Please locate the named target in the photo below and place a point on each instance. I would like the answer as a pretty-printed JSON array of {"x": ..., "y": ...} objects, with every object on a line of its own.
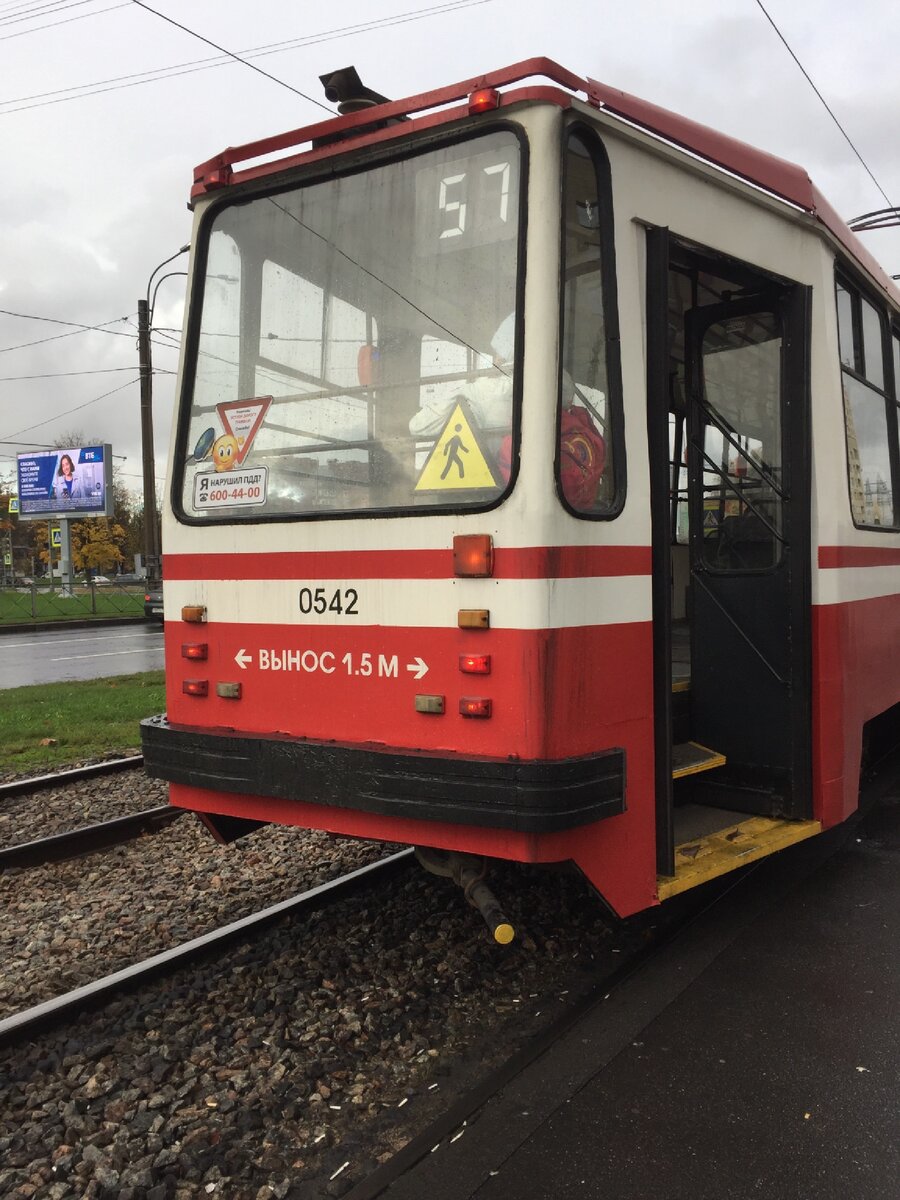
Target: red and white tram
[{"x": 534, "y": 489}]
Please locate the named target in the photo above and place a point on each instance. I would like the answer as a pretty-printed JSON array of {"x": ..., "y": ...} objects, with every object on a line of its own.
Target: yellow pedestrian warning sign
[
  {"x": 457, "y": 459},
  {"x": 711, "y": 518}
]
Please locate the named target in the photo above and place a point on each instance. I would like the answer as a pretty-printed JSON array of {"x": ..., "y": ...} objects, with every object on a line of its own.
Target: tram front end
[{"x": 402, "y": 599}]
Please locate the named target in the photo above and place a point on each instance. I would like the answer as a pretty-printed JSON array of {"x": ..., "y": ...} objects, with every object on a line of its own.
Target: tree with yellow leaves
[{"x": 96, "y": 543}]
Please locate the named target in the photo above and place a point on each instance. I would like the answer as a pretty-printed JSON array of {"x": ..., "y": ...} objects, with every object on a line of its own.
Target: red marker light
[
  {"x": 195, "y": 650},
  {"x": 475, "y": 664},
  {"x": 220, "y": 177},
  {"x": 474, "y": 706},
  {"x": 195, "y": 687},
  {"x": 484, "y": 100},
  {"x": 473, "y": 555}
]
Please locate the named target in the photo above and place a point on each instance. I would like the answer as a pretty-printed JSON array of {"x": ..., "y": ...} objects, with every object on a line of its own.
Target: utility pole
[
  {"x": 145, "y": 309},
  {"x": 151, "y": 531}
]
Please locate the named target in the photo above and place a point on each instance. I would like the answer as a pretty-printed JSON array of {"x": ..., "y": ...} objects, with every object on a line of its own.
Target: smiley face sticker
[{"x": 224, "y": 452}]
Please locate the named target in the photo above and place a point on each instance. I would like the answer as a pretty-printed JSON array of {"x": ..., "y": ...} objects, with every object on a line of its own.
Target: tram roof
[{"x": 783, "y": 179}]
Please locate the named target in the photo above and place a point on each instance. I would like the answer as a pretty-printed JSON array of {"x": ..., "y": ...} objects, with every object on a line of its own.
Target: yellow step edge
[
  {"x": 708, "y": 857},
  {"x": 708, "y": 760},
  {"x": 681, "y": 685}
]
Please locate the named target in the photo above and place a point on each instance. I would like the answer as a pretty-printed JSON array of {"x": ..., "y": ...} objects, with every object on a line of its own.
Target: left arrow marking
[{"x": 242, "y": 658}]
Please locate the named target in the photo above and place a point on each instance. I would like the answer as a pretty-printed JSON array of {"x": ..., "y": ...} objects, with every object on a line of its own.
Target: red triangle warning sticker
[{"x": 242, "y": 419}]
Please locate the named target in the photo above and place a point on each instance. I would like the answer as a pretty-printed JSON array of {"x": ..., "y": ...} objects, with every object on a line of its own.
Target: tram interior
[{"x": 740, "y": 459}]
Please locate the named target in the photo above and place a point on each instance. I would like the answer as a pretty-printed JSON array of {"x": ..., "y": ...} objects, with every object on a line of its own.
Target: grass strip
[
  {"x": 46, "y": 726},
  {"x": 20, "y": 606}
]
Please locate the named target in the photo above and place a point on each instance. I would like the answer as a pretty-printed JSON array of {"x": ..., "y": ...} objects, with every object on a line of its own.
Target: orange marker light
[
  {"x": 474, "y": 618},
  {"x": 473, "y": 555},
  {"x": 484, "y": 100},
  {"x": 195, "y": 650},
  {"x": 195, "y": 687},
  {"x": 474, "y": 706},
  {"x": 195, "y": 614},
  {"x": 475, "y": 664}
]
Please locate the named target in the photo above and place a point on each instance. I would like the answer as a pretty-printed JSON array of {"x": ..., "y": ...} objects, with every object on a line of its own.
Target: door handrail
[
  {"x": 742, "y": 496},
  {"x": 714, "y": 419}
]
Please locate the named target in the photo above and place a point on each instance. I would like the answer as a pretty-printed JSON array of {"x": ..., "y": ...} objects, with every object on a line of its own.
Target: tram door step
[
  {"x": 690, "y": 758},
  {"x": 716, "y": 843}
]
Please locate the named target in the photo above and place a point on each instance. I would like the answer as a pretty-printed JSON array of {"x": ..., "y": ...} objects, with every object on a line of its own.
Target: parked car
[
  {"x": 101, "y": 579},
  {"x": 153, "y": 605}
]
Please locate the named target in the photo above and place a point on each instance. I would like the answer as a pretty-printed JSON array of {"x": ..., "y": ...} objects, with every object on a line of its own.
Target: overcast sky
[{"x": 95, "y": 182}]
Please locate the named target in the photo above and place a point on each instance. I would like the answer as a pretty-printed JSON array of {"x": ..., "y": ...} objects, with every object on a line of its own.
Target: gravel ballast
[
  {"x": 329, "y": 1040},
  {"x": 51, "y": 810},
  {"x": 66, "y": 924}
]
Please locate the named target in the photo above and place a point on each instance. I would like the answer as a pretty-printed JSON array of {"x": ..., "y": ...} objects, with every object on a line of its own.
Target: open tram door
[{"x": 728, "y": 412}]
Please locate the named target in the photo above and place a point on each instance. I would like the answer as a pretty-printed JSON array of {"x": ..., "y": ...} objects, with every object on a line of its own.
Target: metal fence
[{"x": 46, "y": 601}]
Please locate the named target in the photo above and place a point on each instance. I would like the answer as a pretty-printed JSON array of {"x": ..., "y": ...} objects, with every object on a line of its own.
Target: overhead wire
[
  {"x": 8, "y": 312},
  {"x": 30, "y": 12},
  {"x": 23, "y": 4},
  {"x": 881, "y": 218},
  {"x": 828, "y": 109},
  {"x": 14, "y": 7},
  {"x": 7, "y": 442},
  {"x": 7, "y": 37},
  {"x": 417, "y": 14},
  {"x": 69, "y": 374},
  {"x": 73, "y": 333},
  {"x": 237, "y": 58},
  {"x": 174, "y": 71},
  {"x": 20, "y": 4},
  {"x": 76, "y": 408},
  {"x": 36, "y": 11}
]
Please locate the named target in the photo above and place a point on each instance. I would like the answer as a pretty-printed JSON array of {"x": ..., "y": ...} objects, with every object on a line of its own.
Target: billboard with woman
[{"x": 74, "y": 482}]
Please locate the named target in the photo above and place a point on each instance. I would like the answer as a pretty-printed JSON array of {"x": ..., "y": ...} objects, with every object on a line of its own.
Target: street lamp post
[{"x": 151, "y": 527}]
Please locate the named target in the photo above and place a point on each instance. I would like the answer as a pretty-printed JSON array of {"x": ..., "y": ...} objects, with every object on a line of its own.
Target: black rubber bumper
[{"x": 530, "y": 797}]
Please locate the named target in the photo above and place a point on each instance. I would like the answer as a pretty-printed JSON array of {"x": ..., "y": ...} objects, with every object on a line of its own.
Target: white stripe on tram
[{"x": 417, "y": 603}]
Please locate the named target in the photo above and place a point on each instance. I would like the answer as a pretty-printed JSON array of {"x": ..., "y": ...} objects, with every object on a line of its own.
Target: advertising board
[{"x": 74, "y": 482}]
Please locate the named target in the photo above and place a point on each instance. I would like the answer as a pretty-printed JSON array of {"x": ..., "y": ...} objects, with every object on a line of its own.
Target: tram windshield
[{"x": 355, "y": 349}]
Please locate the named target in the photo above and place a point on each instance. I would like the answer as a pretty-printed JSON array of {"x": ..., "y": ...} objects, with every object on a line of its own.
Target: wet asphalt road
[{"x": 67, "y": 654}]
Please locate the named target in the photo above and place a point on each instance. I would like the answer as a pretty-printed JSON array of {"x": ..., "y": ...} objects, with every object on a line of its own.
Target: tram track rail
[
  {"x": 87, "y": 838},
  {"x": 53, "y": 1014},
  {"x": 84, "y": 839},
  {"x": 55, "y": 779}
]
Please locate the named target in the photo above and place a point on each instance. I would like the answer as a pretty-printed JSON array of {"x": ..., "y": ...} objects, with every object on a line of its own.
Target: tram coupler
[{"x": 468, "y": 871}]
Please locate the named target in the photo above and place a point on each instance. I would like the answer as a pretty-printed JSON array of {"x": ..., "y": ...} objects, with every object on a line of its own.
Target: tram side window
[
  {"x": 587, "y": 468},
  {"x": 870, "y": 410}
]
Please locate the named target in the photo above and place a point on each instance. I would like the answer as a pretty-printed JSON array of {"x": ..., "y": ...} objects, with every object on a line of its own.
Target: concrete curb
[{"x": 74, "y": 623}]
